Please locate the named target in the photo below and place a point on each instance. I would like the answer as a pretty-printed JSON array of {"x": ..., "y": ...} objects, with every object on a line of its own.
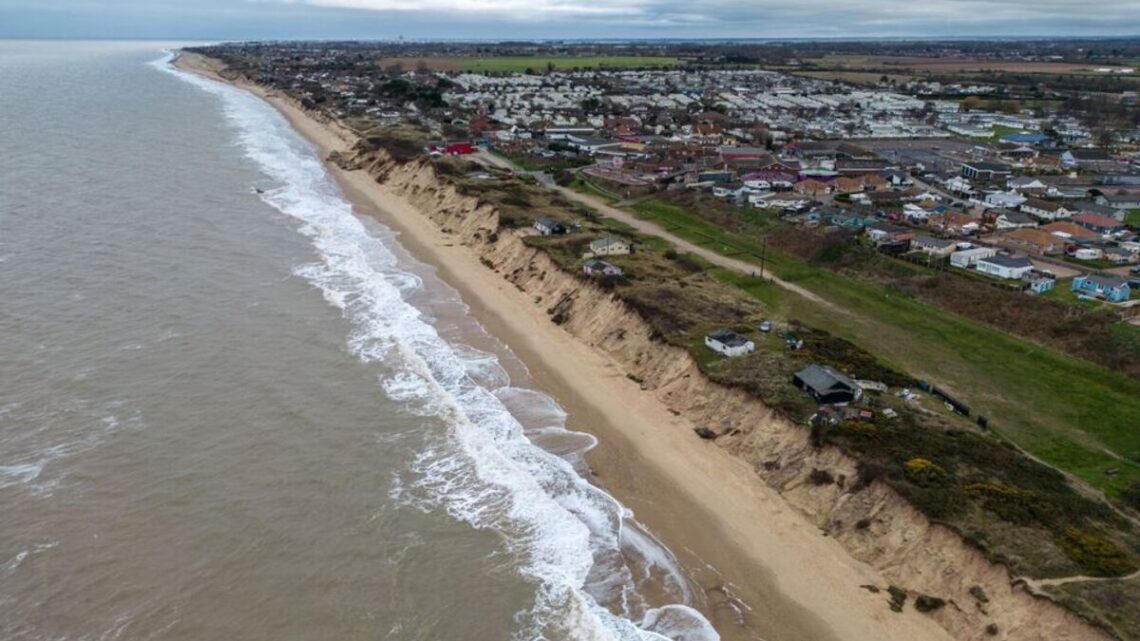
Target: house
[
  {"x": 1003, "y": 199},
  {"x": 1121, "y": 200},
  {"x": 1086, "y": 253},
  {"x": 1026, "y": 183},
  {"x": 729, "y": 343},
  {"x": 610, "y": 247},
  {"x": 547, "y": 226},
  {"x": 953, "y": 222},
  {"x": 826, "y": 385},
  {"x": 1110, "y": 288},
  {"x": 986, "y": 171},
  {"x": 1088, "y": 207},
  {"x": 595, "y": 267},
  {"x": 450, "y": 147},
  {"x": 1037, "y": 283},
  {"x": 1086, "y": 158},
  {"x": 881, "y": 233},
  {"x": 898, "y": 178},
  {"x": 1102, "y": 225},
  {"x": 1013, "y": 220},
  {"x": 1070, "y": 231},
  {"x": 812, "y": 188},
  {"x": 1045, "y": 209},
  {"x": 1033, "y": 241},
  {"x": 1004, "y": 266},
  {"x": 845, "y": 185},
  {"x": 969, "y": 257},
  {"x": 933, "y": 246}
]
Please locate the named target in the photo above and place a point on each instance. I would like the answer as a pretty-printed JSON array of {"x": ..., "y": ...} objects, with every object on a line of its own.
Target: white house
[
  {"x": 729, "y": 343},
  {"x": 1044, "y": 209},
  {"x": 970, "y": 257},
  {"x": 610, "y": 247},
  {"x": 1005, "y": 199},
  {"x": 1005, "y": 266}
]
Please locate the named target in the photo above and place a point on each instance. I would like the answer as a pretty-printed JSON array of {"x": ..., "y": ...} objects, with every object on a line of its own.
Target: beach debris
[{"x": 898, "y": 598}]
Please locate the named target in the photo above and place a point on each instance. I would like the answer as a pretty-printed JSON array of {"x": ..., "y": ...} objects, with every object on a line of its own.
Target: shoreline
[{"x": 726, "y": 526}]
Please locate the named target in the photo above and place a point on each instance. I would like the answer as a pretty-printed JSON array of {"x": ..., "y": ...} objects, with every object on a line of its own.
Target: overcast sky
[{"x": 516, "y": 19}]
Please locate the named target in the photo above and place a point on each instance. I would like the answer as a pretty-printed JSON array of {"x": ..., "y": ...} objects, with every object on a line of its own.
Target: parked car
[
  {"x": 1135, "y": 270},
  {"x": 766, "y": 326}
]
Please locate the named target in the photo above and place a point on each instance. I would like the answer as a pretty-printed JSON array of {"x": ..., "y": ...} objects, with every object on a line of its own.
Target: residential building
[
  {"x": 595, "y": 267},
  {"x": 610, "y": 247},
  {"x": 933, "y": 246},
  {"x": 547, "y": 226},
  {"x": 966, "y": 258},
  {"x": 1004, "y": 266},
  {"x": 729, "y": 343},
  {"x": 1045, "y": 209},
  {"x": 1110, "y": 288},
  {"x": 826, "y": 385}
]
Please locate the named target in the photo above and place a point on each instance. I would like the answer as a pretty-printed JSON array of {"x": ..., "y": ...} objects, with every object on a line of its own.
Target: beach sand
[{"x": 734, "y": 534}]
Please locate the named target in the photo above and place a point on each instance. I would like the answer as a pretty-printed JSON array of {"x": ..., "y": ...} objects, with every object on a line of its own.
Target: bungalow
[
  {"x": 986, "y": 171},
  {"x": 1070, "y": 231},
  {"x": 954, "y": 223},
  {"x": 1037, "y": 283},
  {"x": 845, "y": 185},
  {"x": 812, "y": 188},
  {"x": 958, "y": 185},
  {"x": 1013, "y": 220},
  {"x": 729, "y": 343},
  {"x": 969, "y": 257},
  {"x": 1026, "y": 183},
  {"x": 1005, "y": 199},
  {"x": 1110, "y": 288},
  {"x": 1085, "y": 252},
  {"x": 547, "y": 226},
  {"x": 1123, "y": 200},
  {"x": 1088, "y": 207},
  {"x": 1034, "y": 241},
  {"x": 933, "y": 246},
  {"x": 882, "y": 233},
  {"x": 1005, "y": 266},
  {"x": 826, "y": 385},
  {"x": 595, "y": 267},
  {"x": 1089, "y": 158},
  {"x": 898, "y": 178},
  {"x": 610, "y": 247},
  {"x": 1045, "y": 209},
  {"x": 1100, "y": 224}
]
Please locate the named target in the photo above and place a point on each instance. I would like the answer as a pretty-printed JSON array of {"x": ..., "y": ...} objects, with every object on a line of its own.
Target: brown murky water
[{"x": 227, "y": 414}]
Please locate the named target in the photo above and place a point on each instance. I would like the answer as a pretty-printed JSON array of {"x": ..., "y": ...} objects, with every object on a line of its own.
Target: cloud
[{"x": 772, "y": 18}]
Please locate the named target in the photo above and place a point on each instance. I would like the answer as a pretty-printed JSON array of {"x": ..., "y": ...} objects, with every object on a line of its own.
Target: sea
[{"x": 231, "y": 408}]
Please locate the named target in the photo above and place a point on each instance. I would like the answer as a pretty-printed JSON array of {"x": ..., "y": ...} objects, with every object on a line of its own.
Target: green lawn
[
  {"x": 1065, "y": 410},
  {"x": 1132, "y": 217}
]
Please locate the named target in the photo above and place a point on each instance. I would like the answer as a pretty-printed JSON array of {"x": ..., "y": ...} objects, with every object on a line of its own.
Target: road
[{"x": 653, "y": 229}]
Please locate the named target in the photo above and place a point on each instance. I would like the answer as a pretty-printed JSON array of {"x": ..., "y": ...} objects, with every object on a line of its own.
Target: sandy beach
[{"x": 736, "y": 536}]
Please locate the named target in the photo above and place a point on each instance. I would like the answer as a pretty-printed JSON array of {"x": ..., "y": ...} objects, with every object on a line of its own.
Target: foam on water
[{"x": 577, "y": 545}]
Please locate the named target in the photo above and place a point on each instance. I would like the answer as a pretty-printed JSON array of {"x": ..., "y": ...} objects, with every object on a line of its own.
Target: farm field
[
  {"x": 918, "y": 64},
  {"x": 519, "y": 64},
  {"x": 1066, "y": 411}
]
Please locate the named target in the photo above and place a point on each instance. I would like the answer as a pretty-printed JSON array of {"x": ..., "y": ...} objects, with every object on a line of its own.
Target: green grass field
[
  {"x": 1132, "y": 217},
  {"x": 1069, "y": 412}
]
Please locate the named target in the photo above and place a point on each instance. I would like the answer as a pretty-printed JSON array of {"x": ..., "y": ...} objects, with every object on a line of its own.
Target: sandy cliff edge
[{"x": 784, "y": 547}]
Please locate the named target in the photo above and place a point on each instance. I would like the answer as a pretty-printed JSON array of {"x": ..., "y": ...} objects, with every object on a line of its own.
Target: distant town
[{"x": 1021, "y": 182}]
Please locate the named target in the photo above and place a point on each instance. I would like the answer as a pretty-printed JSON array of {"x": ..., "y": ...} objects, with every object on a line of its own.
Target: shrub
[
  {"x": 924, "y": 473},
  {"x": 1093, "y": 553}
]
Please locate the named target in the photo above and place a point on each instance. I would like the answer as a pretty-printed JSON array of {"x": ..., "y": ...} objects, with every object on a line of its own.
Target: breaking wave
[{"x": 577, "y": 545}]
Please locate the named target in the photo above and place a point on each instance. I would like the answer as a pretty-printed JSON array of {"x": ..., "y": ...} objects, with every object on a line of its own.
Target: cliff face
[{"x": 874, "y": 523}]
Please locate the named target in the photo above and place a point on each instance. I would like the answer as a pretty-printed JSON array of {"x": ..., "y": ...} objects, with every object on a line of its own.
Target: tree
[{"x": 969, "y": 103}]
